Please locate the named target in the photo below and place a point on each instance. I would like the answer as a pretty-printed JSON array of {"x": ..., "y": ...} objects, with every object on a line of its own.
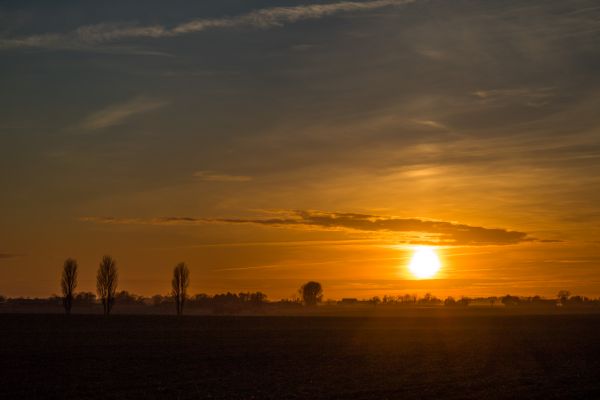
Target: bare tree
[
  {"x": 311, "y": 293},
  {"x": 68, "y": 283},
  {"x": 106, "y": 282},
  {"x": 179, "y": 284}
]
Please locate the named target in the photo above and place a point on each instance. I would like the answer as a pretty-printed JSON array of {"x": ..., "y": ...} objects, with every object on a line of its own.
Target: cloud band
[
  {"x": 93, "y": 35},
  {"x": 421, "y": 230}
]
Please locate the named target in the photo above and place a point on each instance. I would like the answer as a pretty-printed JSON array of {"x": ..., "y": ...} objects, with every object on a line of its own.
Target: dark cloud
[
  {"x": 431, "y": 231},
  {"x": 446, "y": 232}
]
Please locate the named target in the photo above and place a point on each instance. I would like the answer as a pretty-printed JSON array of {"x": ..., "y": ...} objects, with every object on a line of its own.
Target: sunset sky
[{"x": 267, "y": 143}]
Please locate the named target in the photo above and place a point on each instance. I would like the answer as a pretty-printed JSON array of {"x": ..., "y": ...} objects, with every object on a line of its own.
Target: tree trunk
[{"x": 68, "y": 302}]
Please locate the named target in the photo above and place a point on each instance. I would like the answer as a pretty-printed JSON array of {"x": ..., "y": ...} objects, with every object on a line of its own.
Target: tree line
[
  {"x": 107, "y": 278},
  {"x": 309, "y": 295}
]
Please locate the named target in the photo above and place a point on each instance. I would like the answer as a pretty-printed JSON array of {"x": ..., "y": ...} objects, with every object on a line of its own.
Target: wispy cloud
[
  {"x": 534, "y": 97},
  {"x": 211, "y": 176},
  {"x": 118, "y": 113},
  {"x": 411, "y": 230},
  {"x": 94, "y": 35}
]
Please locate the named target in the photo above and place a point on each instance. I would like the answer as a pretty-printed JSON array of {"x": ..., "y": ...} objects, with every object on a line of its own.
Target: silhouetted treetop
[
  {"x": 106, "y": 282},
  {"x": 68, "y": 283},
  {"x": 311, "y": 293},
  {"x": 179, "y": 284}
]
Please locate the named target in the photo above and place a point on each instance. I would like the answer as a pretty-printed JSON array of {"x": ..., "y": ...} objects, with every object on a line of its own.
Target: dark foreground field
[{"x": 436, "y": 356}]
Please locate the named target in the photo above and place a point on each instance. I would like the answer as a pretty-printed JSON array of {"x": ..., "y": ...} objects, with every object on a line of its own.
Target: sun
[{"x": 424, "y": 263}]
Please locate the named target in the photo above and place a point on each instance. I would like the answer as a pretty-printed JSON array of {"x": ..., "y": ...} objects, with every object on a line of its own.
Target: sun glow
[{"x": 424, "y": 263}]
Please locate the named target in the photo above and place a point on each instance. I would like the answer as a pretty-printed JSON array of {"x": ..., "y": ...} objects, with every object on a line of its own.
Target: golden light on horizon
[{"x": 424, "y": 263}]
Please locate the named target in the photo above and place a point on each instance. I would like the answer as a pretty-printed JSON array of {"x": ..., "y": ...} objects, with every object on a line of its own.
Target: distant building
[{"x": 349, "y": 300}]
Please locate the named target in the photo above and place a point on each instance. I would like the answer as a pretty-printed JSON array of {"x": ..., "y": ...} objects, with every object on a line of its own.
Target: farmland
[{"x": 483, "y": 355}]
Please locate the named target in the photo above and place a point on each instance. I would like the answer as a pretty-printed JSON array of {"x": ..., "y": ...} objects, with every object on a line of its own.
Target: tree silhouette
[
  {"x": 106, "y": 282},
  {"x": 464, "y": 301},
  {"x": 85, "y": 299},
  {"x": 563, "y": 296},
  {"x": 68, "y": 283},
  {"x": 449, "y": 302},
  {"x": 311, "y": 293},
  {"x": 257, "y": 299},
  {"x": 509, "y": 300},
  {"x": 179, "y": 284}
]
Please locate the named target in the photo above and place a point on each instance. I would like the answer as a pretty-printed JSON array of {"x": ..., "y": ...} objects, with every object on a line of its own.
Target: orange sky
[{"x": 267, "y": 144}]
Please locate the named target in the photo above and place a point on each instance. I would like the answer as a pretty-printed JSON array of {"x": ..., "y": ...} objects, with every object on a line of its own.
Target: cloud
[
  {"x": 118, "y": 113},
  {"x": 534, "y": 97},
  {"x": 92, "y": 35},
  {"x": 410, "y": 230},
  {"x": 211, "y": 176},
  {"x": 445, "y": 232},
  {"x": 430, "y": 124}
]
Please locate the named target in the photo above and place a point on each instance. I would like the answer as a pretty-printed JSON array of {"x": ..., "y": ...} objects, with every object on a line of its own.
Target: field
[{"x": 430, "y": 356}]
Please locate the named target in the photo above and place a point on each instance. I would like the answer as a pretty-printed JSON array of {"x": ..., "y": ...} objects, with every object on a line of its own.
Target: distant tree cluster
[
  {"x": 310, "y": 295},
  {"x": 107, "y": 277},
  {"x": 225, "y": 303},
  {"x": 563, "y": 299},
  {"x": 252, "y": 302}
]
